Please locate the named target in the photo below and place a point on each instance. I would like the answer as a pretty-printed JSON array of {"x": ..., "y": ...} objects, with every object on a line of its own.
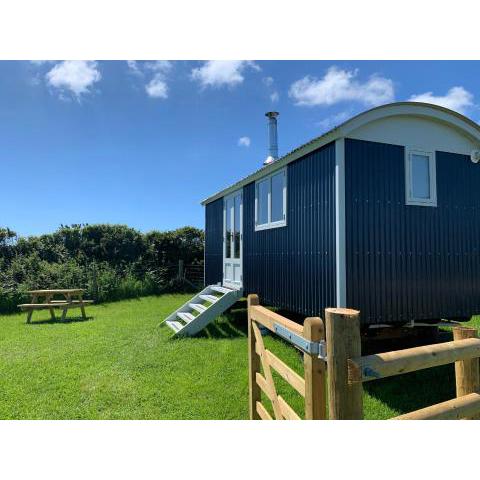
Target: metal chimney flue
[{"x": 272, "y": 137}]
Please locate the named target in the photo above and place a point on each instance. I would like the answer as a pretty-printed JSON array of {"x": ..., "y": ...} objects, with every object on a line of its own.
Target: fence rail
[
  {"x": 464, "y": 407},
  {"x": 347, "y": 369},
  {"x": 195, "y": 274},
  {"x": 192, "y": 274},
  {"x": 464, "y": 351},
  {"x": 383, "y": 365}
]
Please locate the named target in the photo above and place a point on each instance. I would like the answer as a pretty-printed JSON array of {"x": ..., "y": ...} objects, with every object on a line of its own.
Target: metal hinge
[{"x": 307, "y": 346}]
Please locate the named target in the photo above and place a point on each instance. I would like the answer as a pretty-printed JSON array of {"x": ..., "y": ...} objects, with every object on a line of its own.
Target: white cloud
[
  {"x": 268, "y": 81},
  {"x": 244, "y": 142},
  {"x": 76, "y": 76},
  {"x": 274, "y": 97},
  {"x": 39, "y": 63},
  {"x": 335, "y": 120},
  {"x": 457, "y": 98},
  {"x": 218, "y": 73},
  {"x": 159, "y": 66},
  {"x": 156, "y": 86},
  {"x": 134, "y": 68},
  {"x": 341, "y": 85}
]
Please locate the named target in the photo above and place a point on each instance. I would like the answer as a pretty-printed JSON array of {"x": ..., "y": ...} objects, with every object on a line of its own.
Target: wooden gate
[
  {"x": 262, "y": 361},
  {"x": 347, "y": 369}
]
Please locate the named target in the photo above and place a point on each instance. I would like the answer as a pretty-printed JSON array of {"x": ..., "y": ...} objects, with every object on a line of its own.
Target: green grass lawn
[{"x": 119, "y": 364}]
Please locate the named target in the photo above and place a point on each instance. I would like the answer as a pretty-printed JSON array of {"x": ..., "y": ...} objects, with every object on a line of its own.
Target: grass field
[{"x": 119, "y": 364}]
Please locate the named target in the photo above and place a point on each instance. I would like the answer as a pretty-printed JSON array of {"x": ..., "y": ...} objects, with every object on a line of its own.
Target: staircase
[{"x": 202, "y": 309}]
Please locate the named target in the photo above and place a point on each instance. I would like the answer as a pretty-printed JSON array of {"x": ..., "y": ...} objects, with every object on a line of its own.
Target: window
[
  {"x": 263, "y": 192},
  {"x": 236, "y": 238},
  {"x": 228, "y": 228},
  {"x": 420, "y": 178},
  {"x": 278, "y": 182},
  {"x": 271, "y": 201},
  {"x": 233, "y": 225}
]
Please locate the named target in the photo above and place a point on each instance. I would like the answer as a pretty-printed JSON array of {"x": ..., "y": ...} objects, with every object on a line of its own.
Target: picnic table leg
[
  {"x": 30, "y": 312},
  {"x": 48, "y": 299},
  {"x": 68, "y": 298},
  {"x": 82, "y": 308}
]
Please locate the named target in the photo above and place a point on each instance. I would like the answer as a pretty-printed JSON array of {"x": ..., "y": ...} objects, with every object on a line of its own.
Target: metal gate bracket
[{"x": 307, "y": 346}]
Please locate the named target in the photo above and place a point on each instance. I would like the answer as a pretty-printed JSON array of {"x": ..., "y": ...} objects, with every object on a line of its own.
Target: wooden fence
[
  {"x": 262, "y": 361},
  {"x": 347, "y": 369}
]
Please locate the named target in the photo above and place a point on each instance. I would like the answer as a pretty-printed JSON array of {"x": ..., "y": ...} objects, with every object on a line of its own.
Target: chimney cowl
[{"x": 272, "y": 137}]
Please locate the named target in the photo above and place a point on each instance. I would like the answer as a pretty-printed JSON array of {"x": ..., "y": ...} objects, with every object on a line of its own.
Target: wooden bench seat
[
  {"x": 54, "y": 304},
  {"x": 71, "y": 301}
]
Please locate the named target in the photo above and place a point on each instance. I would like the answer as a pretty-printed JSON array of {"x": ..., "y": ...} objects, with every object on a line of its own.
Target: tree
[{"x": 8, "y": 239}]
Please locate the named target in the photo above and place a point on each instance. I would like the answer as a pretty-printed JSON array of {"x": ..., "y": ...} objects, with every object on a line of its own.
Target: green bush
[{"x": 111, "y": 262}]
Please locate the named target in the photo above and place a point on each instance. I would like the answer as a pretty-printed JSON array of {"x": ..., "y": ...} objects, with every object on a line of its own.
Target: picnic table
[{"x": 44, "y": 300}]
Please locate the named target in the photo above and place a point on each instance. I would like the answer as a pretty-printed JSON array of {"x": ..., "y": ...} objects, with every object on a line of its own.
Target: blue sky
[{"x": 142, "y": 143}]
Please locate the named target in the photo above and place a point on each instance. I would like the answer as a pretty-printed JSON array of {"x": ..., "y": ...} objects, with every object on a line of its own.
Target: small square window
[
  {"x": 420, "y": 178},
  {"x": 270, "y": 201}
]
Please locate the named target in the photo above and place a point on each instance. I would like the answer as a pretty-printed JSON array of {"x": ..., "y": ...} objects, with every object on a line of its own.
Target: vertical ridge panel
[
  {"x": 293, "y": 267},
  {"x": 214, "y": 242},
  {"x": 409, "y": 262}
]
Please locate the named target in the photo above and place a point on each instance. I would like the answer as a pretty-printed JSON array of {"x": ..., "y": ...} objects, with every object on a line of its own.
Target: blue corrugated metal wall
[
  {"x": 214, "y": 242},
  {"x": 410, "y": 262},
  {"x": 293, "y": 267}
]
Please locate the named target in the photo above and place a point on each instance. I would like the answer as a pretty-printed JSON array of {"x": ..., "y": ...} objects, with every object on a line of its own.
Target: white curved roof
[{"x": 440, "y": 115}]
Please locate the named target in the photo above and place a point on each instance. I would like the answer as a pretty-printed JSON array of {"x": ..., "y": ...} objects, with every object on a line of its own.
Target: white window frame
[
  {"x": 409, "y": 198},
  {"x": 278, "y": 223}
]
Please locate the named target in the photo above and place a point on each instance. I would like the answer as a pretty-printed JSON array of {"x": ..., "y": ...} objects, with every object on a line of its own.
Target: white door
[{"x": 233, "y": 240}]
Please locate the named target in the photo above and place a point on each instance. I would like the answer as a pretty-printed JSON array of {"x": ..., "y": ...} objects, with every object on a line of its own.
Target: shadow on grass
[
  {"x": 231, "y": 324},
  {"x": 402, "y": 393},
  {"x": 413, "y": 391},
  {"x": 51, "y": 321}
]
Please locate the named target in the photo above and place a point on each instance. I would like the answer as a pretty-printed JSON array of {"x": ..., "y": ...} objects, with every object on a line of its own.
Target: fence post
[
  {"x": 467, "y": 375},
  {"x": 253, "y": 362},
  {"x": 180, "y": 269},
  {"x": 345, "y": 401},
  {"x": 314, "y": 368}
]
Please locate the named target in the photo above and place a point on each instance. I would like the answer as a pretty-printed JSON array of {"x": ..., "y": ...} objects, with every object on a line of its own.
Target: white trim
[
  {"x": 231, "y": 259},
  {"x": 434, "y": 112},
  {"x": 340, "y": 253},
  {"x": 278, "y": 223},
  {"x": 409, "y": 198}
]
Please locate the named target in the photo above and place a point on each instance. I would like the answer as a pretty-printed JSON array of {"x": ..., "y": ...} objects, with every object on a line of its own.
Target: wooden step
[
  {"x": 198, "y": 307},
  {"x": 175, "y": 326},
  {"x": 219, "y": 289},
  {"x": 209, "y": 298},
  {"x": 186, "y": 317}
]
